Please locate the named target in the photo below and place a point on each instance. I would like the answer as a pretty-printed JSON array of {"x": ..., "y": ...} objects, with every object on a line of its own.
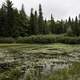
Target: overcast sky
[{"x": 60, "y": 9}]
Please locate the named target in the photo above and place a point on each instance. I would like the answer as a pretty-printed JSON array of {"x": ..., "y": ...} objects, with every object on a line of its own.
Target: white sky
[{"x": 61, "y": 9}]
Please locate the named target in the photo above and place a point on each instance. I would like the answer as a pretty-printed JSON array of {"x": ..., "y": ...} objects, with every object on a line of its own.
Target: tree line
[{"x": 15, "y": 23}]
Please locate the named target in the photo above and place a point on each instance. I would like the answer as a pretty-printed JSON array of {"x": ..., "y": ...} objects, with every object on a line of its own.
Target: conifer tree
[
  {"x": 36, "y": 28},
  {"x": 23, "y": 22},
  {"x": 40, "y": 20},
  {"x": 76, "y": 29},
  {"x": 9, "y": 17},
  {"x": 31, "y": 23},
  {"x": 52, "y": 25},
  {"x": 45, "y": 27},
  {"x": 3, "y": 28}
]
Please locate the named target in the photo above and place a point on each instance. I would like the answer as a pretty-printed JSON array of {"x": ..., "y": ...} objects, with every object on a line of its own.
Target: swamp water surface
[{"x": 34, "y": 63}]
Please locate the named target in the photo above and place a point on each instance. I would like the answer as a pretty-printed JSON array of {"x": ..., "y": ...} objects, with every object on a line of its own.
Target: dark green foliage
[
  {"x": 9, "y": 18},
  {"x": 23, "y": 22},
  {"x": 40, "y": 20},
  {"x": 42, "y": 39},
  {"x": 7, "y": 40},
  {"x": 45, "y": 39},
  {"x": 68, "y": 40},
  {"x": 59, "y": 27},
  {"x": 52, "y": 25},
  {"x": 31, "y": 23},
  {"x": 76, "y": 29},
  {"x": 15, "y": 23},
  {"x": 45, "y": 27},
  {"x": 3, "y": 28},
  {"x": 36, "y": 28}
]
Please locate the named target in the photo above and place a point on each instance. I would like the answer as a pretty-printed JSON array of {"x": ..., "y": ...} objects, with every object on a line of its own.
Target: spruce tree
[
  {"x": 52, "y": 25},
  {"x": 23, "y": 21},
  {"x": 36, "y": 27},
  {"x": 10, "y": 17},
  {"x": 3, "y": 27},
  {"x": 45, "y": 28},
  {"x": 76, "y": 29},
  {"x": 17, "y": 24},
  {"x": 31, "y": 23},
  {"x": 40, "y": 20}
]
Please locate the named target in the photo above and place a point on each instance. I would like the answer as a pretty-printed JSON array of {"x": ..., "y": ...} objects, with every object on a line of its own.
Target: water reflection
[{"x": 36, "y": 65}]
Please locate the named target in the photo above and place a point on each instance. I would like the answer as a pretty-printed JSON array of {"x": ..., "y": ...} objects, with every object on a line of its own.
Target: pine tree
[
  {"x": 40, "y": 20},
  {"x": 23, "y": 22},
  {"x": 65, "y": 26},
  {"x": 36, "y": 27},
  {"x": 45, "y": 28},
  {"x": 52, "y": 24},
  {"x": 31, "y": 23},
  {"x": 69, "y": 22},
  {"x": 76, "y": 29},
  {"x": 3, "y": 29},
  {"x": 10, "y": 17},
  {"x": 17, "y": 24}
]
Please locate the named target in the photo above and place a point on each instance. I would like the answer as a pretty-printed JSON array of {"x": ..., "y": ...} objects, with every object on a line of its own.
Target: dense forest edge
[{"x": 17, "y": 27}]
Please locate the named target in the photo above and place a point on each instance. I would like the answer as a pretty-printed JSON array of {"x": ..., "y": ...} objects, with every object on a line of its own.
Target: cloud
[{"x": 60, "y": 9}]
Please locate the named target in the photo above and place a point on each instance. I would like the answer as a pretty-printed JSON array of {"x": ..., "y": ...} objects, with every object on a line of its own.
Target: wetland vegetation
[
  {"x": 39, "y": 62},
  {"x": 34, "y": 48}
]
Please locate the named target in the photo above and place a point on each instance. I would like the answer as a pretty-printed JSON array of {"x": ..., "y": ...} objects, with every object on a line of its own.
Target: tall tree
[
  {"x": 10, "y": 17},
  {"x": 17, "y": 24},
  {"x": 59, "y": 27},
  {"x": 23, "y": 22},
  {"x": 31, "y": 23},
  {"x": 40, "y": 20},
  {"x": 3, "y": 29},
  {"x": 76, "y": 28},
  {"x": 52, "y": 24},
  {"x": 36, "y": 27},
  {"x": 45, "y": 27}
]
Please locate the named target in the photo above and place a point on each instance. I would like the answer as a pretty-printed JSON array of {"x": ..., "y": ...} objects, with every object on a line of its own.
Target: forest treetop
[{"x": 15, "y": 23}]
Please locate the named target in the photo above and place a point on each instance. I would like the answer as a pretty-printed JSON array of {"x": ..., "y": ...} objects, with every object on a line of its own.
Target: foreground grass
[
  {"x": 57, "y": 46},
  {"x": 71, "y": 73}
]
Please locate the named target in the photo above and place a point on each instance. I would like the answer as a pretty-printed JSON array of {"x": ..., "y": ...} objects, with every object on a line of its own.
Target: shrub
[
  {"x": 68, "y": 40},
  {"x": 7, "y": 40},
  {"x": 45, "y": 39}
]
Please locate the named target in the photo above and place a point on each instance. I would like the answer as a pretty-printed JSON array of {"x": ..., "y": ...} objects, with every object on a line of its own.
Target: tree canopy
[{"x": 15, "y": 23}]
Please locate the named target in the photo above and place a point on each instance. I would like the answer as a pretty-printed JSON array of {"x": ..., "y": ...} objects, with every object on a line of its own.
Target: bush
[
  {"x": 45, "y": 39},
  {"x": 7, "y": 40},
  {"x": 68, "y": 40}
]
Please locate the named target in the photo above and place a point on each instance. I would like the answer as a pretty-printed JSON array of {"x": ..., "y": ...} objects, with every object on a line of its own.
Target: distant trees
[
  {"x": 3, "y": 28},
  {"x": 74, "y": 26},
  {"x": 52, "y": 25},
  {"x": 31, "y": 23},
  {"x": 40, "y": 20},
  {"x": 15, "y": 23},
  {"x": 23, "y": 22},
  {"x": 6, "y": 19},
  {"x": 9, "y": 17},
  {"x": 36, "y": 28}
]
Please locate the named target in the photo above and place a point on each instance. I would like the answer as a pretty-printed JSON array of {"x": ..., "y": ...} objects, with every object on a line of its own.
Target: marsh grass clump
[
  {"x": 13, "y": 74},
  {"x": 53, "y": 62},
  {"x": 71, "y": 73}
]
